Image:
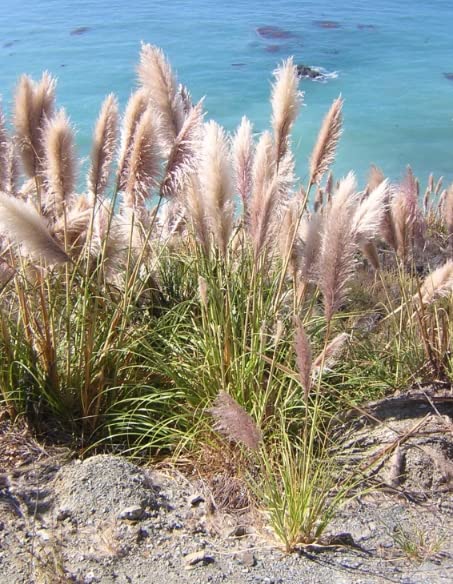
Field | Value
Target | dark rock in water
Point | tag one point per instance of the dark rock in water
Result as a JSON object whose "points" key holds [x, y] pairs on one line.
{"points": [[272, 48], [274, 32], [326, 24], [448, 76], [80, 30], [306, 72], [366, 27]]}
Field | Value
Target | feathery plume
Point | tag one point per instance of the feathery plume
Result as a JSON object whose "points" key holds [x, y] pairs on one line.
{"points": [[311, 231], [324, 150], [156, 76], [136, 106], [23, 225], [338, 247], [367, 219], [60, 163], [143, 163], [181, 159], [231, 420], [375, 177], [242, 151], [216, 183], [5, 149], [319, 200], [407, 219], [264, 192], [303, 358], [447, 212], [285, 101], [33, 107], [104, 144], [329, 356], [438, 283], [72, 228], [289, 242], [193, 201]]}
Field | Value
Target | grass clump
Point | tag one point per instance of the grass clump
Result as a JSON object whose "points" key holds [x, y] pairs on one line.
{"points": [[199, 275]]}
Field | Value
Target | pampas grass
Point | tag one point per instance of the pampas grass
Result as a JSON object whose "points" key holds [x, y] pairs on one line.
{"points": [[324, 150], [157, 78], [438, 283], [33, 107], [338, 246], [23, 225], [243, 153], [136, 106], [104, 145], [183, 154], [60, 164], [143, 163], [231, 420], [285, 102], [215, 173]]}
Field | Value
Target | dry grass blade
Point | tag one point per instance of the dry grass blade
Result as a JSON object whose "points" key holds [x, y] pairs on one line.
{"points": [[323, 153], [329, 356], [233, 422], [215, 175], [33, 106], [338, 246], [23, 225], [242, 149], [156, 76], [143, 164], [60, 164], [285, 101], [438, 283], [303, 358], [181, 160], [104, 144]]}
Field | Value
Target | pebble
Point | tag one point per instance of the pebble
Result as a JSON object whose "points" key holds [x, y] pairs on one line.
{"points": [[131, 513], [200, 557]]}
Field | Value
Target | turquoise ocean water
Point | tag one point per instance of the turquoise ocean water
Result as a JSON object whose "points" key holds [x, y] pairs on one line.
{"points": [[391, 58]]}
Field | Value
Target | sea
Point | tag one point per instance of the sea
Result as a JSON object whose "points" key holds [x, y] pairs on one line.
{"points": [[391, 60]]}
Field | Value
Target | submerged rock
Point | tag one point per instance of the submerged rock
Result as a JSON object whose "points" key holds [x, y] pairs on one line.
{"points": [[449, 76], [274, 32], [79, 30], [327, 24]]}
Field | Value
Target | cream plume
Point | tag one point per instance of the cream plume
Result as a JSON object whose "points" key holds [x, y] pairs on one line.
{"points": [[136, 106], [60, 163], [104, 144], [23, 225], [285, 101], [243, 152], [324, 150], [33, 107], [156, 76], [215, 174], [182, 157], [338, 247]]}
